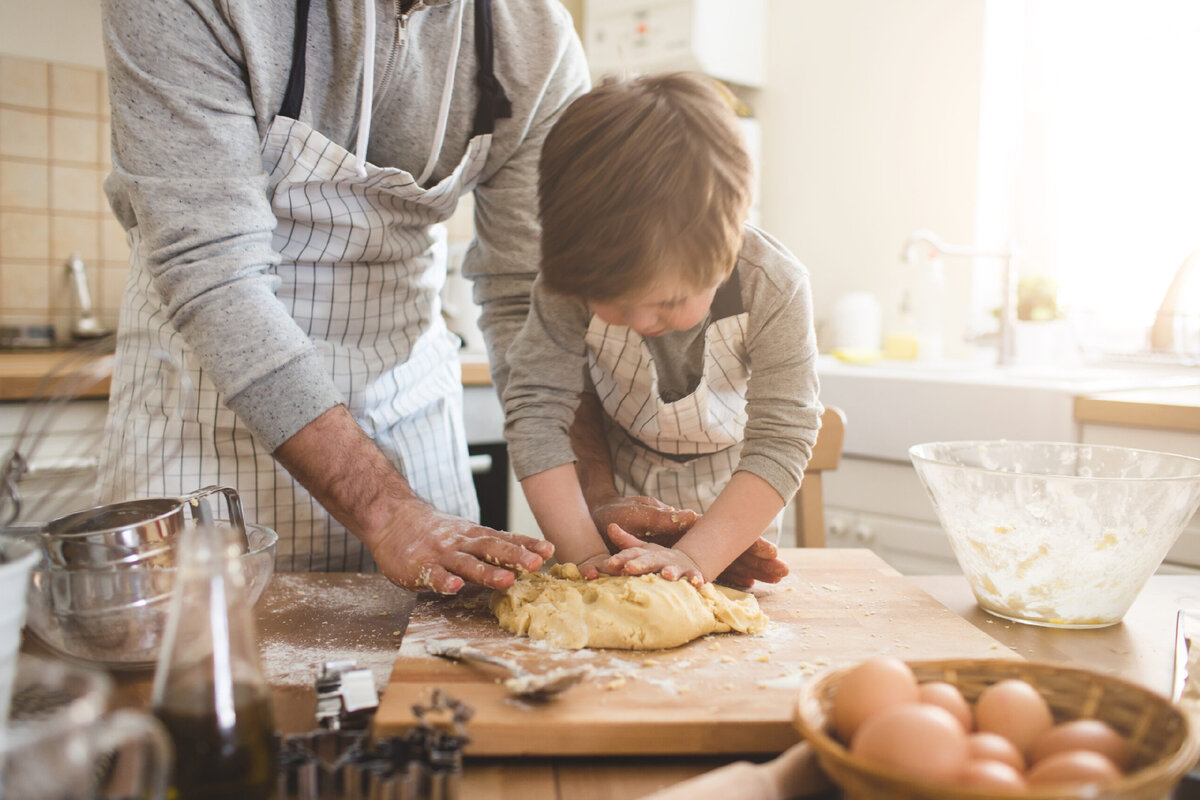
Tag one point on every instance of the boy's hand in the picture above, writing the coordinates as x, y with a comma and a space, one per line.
644, 558
644, 517
594, 566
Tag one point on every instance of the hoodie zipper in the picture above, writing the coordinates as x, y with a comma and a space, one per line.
399, 40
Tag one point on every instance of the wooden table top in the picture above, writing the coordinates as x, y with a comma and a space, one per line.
306, 619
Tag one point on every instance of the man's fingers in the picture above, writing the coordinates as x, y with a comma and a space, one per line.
433, 577
737, 576
503, 553
761, 548
470, 568
540, 546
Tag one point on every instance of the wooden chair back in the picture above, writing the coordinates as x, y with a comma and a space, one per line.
826, 455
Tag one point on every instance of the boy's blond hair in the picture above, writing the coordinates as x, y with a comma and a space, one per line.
639, 179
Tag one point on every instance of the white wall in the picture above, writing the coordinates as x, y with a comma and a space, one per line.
870, 120
64, 31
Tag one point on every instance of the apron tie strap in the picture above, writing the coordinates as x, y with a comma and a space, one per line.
293, 96
493, 102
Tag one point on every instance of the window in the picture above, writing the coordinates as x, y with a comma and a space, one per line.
1090, 156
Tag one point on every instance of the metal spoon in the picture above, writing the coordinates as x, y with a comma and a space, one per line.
522, 682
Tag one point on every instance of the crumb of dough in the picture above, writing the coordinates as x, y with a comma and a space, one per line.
650, 662
764, 658
727, 659
614, 684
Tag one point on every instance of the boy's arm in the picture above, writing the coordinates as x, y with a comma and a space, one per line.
557, 504
737, 518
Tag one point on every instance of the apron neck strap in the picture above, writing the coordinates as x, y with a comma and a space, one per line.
727, 302
293, 96
493, 102
368, 82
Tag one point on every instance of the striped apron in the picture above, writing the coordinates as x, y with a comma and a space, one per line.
363, 259
683, 452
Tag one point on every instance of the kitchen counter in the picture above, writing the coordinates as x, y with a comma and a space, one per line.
21, 373
1174, 408
304, 619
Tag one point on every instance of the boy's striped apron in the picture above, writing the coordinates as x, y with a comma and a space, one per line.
684, 452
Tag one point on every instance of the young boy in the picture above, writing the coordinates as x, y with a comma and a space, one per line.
692, 329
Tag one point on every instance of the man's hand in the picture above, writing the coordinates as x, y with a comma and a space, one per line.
644, 517
760, 562
652, 521
426, 549
644, 558
415, 545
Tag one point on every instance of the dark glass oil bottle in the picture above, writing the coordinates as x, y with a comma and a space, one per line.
209, 690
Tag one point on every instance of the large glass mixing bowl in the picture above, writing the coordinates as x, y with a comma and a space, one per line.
1055, 533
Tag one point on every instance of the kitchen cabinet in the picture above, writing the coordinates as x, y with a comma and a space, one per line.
646, 36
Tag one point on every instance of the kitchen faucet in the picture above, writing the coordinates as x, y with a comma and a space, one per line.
84, 325
933, 245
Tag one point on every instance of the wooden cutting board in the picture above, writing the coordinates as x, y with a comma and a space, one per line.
725, 693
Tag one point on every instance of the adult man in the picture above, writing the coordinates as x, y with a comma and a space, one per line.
282, 172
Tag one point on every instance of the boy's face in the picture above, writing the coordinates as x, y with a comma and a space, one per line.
665, 307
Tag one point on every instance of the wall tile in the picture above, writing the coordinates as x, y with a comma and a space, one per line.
74, 89
73, 139
79, 235
25, 289
75, 188
24, 236
113, 246
24, 185
24, 134
105, 110
24, 82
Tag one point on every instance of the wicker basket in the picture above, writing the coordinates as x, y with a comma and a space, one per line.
1163, 743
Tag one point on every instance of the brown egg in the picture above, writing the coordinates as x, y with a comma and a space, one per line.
1073, 766
869, 688
1015, 710
1084, 734
947, 695
991, 776
916, 739
994, 747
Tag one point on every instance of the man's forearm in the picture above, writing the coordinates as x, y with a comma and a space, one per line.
347, 474
593, 465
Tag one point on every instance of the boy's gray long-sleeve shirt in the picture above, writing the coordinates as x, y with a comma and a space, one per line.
194, 85
548, 361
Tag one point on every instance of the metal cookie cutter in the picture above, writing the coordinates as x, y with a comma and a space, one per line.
346, 696
423, 764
